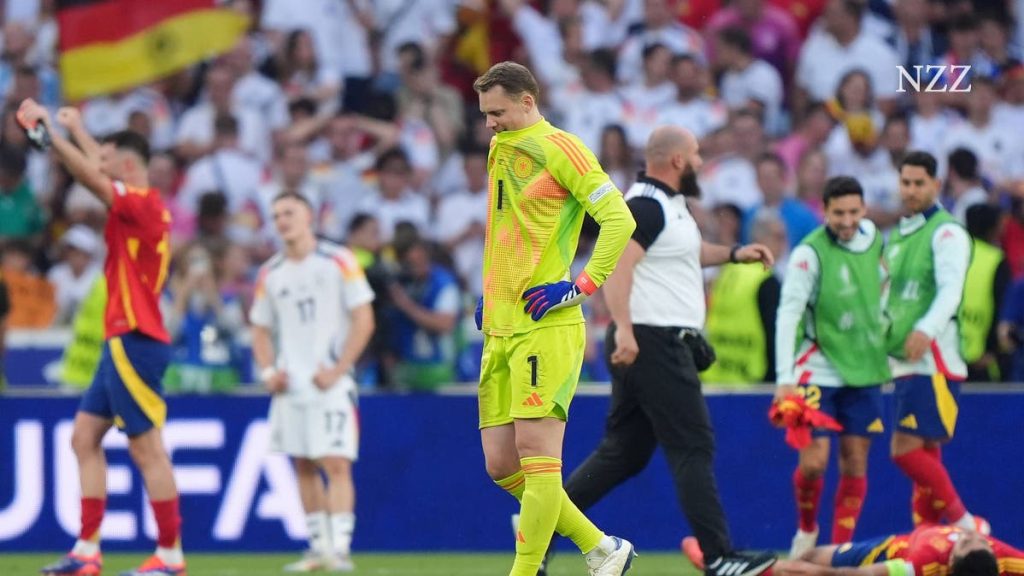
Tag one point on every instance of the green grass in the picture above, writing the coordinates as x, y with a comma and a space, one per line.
566, 564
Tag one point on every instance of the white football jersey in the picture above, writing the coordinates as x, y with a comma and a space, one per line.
307, 305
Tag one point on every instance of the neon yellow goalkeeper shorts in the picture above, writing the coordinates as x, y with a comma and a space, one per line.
530, 375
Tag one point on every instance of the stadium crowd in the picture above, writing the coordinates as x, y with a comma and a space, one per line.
367, 109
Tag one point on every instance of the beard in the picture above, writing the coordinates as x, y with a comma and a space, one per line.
688, 185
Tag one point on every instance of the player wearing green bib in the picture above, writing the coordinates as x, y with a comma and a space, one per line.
541, 183
832, 288
927, 260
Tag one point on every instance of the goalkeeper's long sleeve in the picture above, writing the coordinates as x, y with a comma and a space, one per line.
617, 227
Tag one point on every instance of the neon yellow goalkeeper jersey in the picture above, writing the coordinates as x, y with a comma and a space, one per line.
541, 181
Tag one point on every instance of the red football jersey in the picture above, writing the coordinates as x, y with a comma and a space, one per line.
928, 549
138, 254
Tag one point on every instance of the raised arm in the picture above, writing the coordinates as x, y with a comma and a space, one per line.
82, 169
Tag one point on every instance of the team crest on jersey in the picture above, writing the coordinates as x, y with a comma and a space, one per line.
522, 166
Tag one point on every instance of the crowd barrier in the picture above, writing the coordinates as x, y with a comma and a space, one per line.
422, 486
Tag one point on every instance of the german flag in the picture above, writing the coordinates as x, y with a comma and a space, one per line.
111, 45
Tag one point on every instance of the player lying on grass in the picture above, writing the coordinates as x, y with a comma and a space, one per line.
929, 550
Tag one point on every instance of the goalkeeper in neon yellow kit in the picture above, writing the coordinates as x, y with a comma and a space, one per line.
541, 182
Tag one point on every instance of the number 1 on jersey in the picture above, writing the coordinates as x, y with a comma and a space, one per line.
533, 370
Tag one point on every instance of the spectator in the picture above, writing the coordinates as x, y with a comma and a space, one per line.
693, 108
426, 304
587, 112
994, 29
340, 32
17, 45
394, 201
33, 304
913, 39
841, 46
798, 219
462, 220
75, 273
748, 82
645, 98
227, 169
212, 217
616, 157
340, 177
1009, 111
255, 92
202, 320
424, 22
774, 34
423, 96
607, 24
731, 177
997, 148
964, 184
728, 224
810, 135
21, 216
302, 75
544, 39
988, 279
37, 162
964, 49
930, 122
659, 26
810, 181
197, 133
853, 108
363, 238
1013, 237
111, 113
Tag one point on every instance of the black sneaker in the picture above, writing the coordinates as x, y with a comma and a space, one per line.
739, 564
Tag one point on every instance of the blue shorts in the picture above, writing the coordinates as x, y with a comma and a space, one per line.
862, 553
127, 385
858, 409
926, 406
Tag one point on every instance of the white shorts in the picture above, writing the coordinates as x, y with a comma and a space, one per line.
324, 423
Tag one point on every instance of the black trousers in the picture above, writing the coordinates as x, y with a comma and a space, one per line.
658, 400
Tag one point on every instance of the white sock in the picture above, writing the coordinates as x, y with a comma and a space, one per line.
342, 527
319, 532
605, 547
967, 522
171, 556
86, 548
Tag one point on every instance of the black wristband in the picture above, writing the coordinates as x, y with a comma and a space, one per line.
732, 253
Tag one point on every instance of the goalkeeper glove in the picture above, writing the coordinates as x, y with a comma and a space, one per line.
547, 297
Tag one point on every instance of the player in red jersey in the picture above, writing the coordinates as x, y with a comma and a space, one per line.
126, 389
930, 550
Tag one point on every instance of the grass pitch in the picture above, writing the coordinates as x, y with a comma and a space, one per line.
565, 564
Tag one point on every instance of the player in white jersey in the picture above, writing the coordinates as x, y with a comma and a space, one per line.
311, 321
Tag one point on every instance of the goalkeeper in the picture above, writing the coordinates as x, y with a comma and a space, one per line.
541, 182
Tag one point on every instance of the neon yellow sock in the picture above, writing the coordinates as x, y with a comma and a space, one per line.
538, 514
572, 523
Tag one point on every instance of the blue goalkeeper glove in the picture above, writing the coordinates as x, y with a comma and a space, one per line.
479, 314
547, 297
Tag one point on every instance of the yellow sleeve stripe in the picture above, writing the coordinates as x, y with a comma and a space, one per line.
572, 152
152, 404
